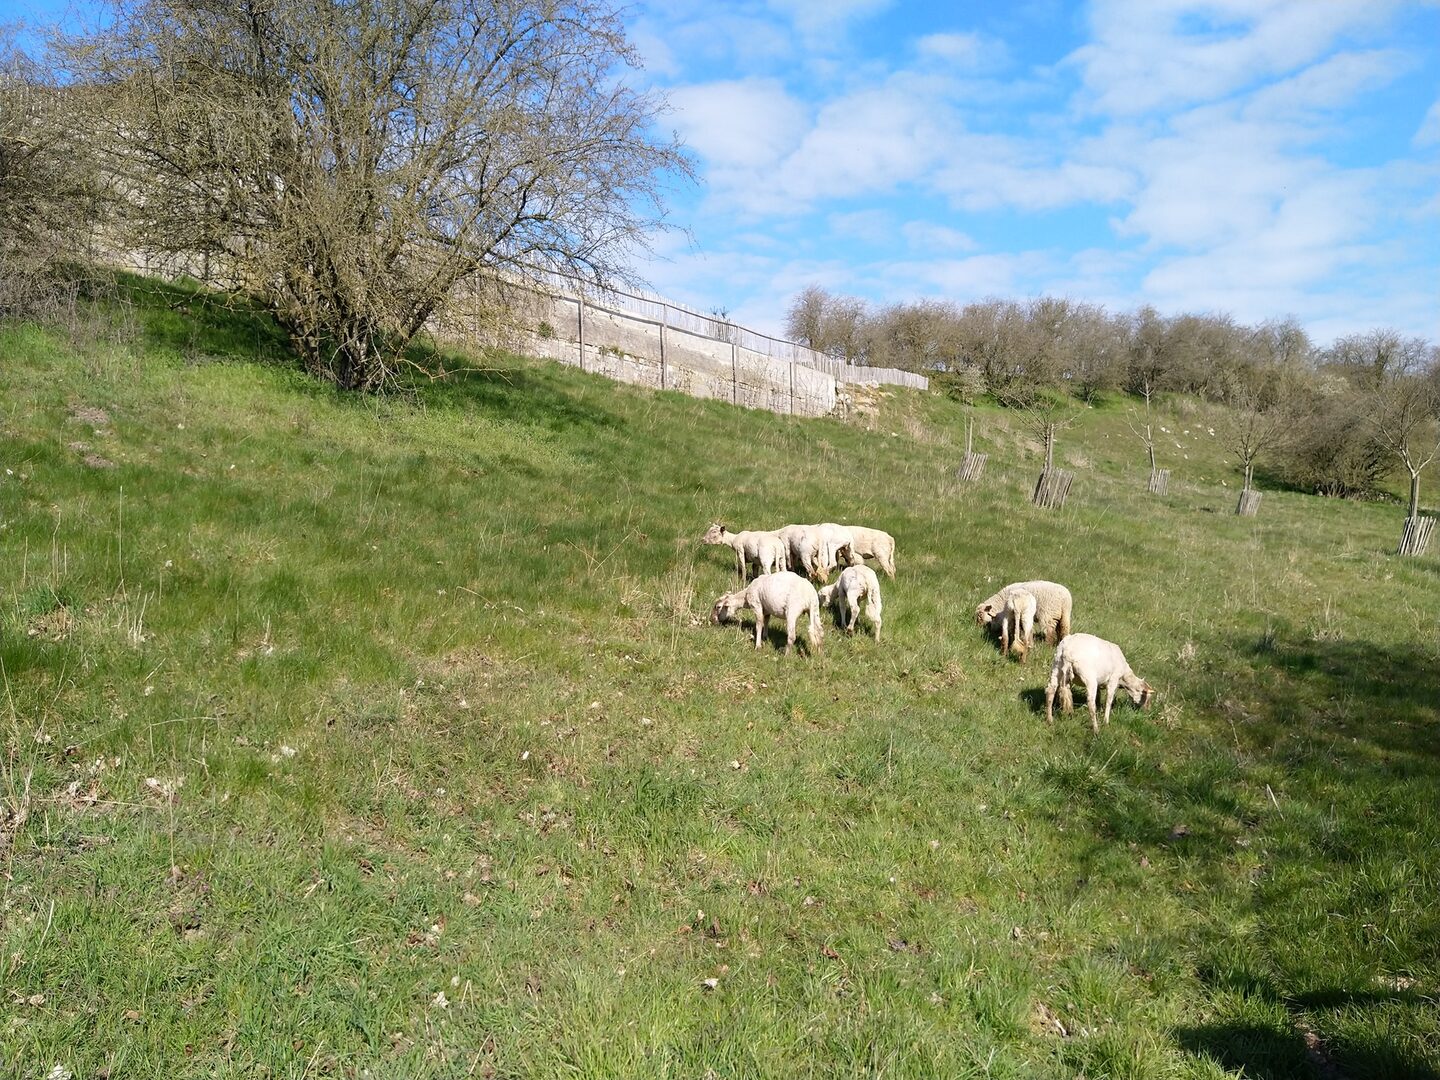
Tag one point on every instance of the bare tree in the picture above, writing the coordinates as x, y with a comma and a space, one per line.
917, 336
48, 187
356, 164
1094, 346
827, 323
1045, 417
1370, 359
1143, 428
1256, 427
1405, 413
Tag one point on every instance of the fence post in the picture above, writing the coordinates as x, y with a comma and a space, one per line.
734, 374
792, 387
664, 374
580, 325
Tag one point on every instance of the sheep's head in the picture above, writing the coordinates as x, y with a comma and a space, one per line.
713, 534
827, 594
1140, 691
985, 613
727, 607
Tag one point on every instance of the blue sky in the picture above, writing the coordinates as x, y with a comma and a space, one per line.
1264, 158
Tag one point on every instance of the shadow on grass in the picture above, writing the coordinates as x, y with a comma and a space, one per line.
520, 394
204, 324
1306, 805
1398, 689
773, 636
1273, 1051
1259, 1051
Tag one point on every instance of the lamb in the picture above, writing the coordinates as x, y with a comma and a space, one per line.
802, 544
1092, 660
764, 551
874, 543
836, 541
854, 584
1018, 620
817, 549
1053, 606
785, 594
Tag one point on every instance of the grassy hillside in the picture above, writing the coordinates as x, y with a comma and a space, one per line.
352, 737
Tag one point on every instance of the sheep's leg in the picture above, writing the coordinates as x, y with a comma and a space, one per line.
1050, 688
1092, 687
740, 563
1067, 699
1110, 697
1005, 635
792, 617
759, 624
872, 609
854, 605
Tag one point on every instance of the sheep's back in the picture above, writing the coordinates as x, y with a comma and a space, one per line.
1052, 602
778, 591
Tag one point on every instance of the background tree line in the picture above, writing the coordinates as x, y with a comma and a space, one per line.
1332, 420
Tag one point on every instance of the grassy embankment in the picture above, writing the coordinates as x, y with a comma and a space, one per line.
345, 734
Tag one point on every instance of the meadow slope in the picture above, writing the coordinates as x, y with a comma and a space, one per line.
351, 737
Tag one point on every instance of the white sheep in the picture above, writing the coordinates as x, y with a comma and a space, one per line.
1053, 607
802, 543
875, 544
854, 584
836, 543
1092, 661
763, 551
785, 594
1017, 622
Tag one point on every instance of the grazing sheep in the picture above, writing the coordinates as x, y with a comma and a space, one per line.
1017, 620
836, 542
764, 551
802, 544
1053, 606
1092, 661
854, 584
785, 594
876, 544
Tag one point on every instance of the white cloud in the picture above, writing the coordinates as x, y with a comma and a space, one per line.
819, 22
1428, 134
972, 278
930, 236
1330, 84
656, 56
869, 226
868, 141
742, 124
1208, 129
1153, 54
969, 51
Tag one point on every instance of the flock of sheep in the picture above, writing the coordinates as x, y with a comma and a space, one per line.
1015, 612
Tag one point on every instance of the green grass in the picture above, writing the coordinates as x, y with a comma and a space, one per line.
318, 707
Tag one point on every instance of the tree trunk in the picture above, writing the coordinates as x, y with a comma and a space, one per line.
1249, 475
1049, 446
1414, 493
1150, 448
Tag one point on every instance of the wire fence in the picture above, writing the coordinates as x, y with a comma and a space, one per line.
657, 310
634, 304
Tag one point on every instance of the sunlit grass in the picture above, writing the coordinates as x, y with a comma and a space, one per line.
319, 708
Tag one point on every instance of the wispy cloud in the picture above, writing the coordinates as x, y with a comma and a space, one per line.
1194, 154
